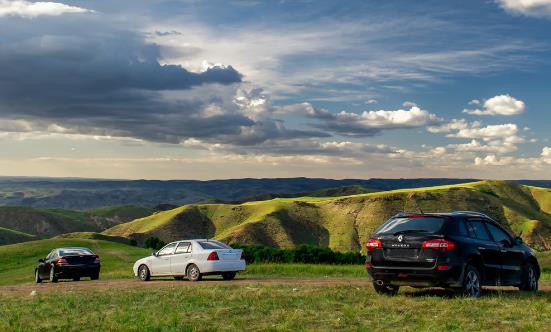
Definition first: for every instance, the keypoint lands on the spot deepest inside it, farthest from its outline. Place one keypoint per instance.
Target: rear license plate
(401, 253)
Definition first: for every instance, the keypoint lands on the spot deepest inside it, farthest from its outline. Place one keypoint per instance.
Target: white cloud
(29, 9)
(414, 117)
(489, 132)
(536, 8)
(498, 147)
(546, 154)
(454, 124)
(409, 104)
(499, 105)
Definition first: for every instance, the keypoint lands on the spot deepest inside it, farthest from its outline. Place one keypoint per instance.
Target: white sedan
(191, 259)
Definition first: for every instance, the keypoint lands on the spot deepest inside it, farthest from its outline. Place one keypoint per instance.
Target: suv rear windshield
(426, 224)
(213, 245)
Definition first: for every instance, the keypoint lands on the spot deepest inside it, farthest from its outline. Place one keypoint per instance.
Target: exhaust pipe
(379, 282)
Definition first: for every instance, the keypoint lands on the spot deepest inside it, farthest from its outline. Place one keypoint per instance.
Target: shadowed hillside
(343, 223)
(18, 224)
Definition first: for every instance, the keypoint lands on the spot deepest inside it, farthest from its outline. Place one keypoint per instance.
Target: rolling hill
(343, 223)
(18, 224)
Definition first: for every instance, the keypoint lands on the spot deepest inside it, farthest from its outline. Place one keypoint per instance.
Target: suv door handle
(503, 250)
(481, 248)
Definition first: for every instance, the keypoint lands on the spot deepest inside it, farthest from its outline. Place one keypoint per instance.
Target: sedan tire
(228, 275)
(53, 277)
(143, 273)
(37, 278)
(529, 278)
(193, 273)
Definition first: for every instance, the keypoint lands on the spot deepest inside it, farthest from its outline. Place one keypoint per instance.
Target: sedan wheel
(143, 273)
(530, 279)
(37, 278)
(53, 278)
(471, 285)
(193, 273)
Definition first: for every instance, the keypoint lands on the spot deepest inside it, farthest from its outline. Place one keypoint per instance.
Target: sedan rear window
(428, 224)
(213, 245)
(75, 252)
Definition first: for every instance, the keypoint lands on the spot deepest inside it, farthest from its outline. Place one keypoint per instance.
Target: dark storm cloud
(91, 77)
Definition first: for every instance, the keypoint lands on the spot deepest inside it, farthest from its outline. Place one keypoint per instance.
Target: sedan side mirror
(41, 260)
(519, 240)
(154, 254)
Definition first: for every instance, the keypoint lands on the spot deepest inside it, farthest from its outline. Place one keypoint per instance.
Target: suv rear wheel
(472, 283)
(385, 289)
(529, 278)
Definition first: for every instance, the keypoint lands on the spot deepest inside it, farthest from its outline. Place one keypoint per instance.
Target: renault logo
(400, 238)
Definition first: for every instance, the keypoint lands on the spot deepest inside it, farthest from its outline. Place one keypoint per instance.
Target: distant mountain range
(85, 194)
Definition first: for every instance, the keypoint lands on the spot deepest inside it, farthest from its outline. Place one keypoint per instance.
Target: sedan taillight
(242, 256)
(62, 261)
(213, 256)
(438, 245)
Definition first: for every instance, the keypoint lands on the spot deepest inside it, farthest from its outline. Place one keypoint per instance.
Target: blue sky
(225, 89)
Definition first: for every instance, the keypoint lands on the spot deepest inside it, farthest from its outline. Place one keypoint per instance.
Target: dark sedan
(68, 263)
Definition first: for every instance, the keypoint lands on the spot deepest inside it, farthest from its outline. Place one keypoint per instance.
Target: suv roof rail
(401, 214)
(474, 213)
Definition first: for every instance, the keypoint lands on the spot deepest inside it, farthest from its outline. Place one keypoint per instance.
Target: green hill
(19, 223)
(18, 260)
(343, 223)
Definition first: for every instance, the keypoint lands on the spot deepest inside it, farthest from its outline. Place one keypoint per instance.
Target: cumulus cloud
(546, 154)
(29, 9)
(498, 105)
(454, 124)
(370, 123)
(488, 132)
(536, 8)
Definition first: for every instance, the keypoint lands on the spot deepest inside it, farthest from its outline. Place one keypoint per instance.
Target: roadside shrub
(303, 253)
(154, 242)
(133, 242)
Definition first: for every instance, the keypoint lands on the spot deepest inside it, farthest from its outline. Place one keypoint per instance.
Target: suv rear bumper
(420, 277)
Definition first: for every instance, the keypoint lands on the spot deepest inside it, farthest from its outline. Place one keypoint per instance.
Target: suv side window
(478, 230)
(498, 234)
(458, 228)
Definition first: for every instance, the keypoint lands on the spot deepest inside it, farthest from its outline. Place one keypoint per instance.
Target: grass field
(271, 307)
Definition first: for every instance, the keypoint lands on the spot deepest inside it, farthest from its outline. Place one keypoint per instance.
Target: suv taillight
(96, 261)
(438, 245)
(373, 244)
(213, 256)
(61, 261)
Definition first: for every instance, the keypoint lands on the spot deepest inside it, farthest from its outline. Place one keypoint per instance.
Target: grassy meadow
(271, 308)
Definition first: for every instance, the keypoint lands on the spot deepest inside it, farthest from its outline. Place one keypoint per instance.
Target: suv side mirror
(41, 260)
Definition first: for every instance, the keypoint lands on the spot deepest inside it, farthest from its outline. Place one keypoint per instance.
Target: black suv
(460, 250)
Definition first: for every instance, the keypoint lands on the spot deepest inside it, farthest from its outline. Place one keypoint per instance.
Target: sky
(190, 89)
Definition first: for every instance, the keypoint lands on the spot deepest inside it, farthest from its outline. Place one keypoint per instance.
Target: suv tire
(386, 289)
(472, 283)
(529, 278)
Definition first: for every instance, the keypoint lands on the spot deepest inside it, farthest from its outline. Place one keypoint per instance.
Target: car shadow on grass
(486, 292)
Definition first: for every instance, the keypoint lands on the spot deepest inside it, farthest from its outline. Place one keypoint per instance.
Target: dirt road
(64, 286)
